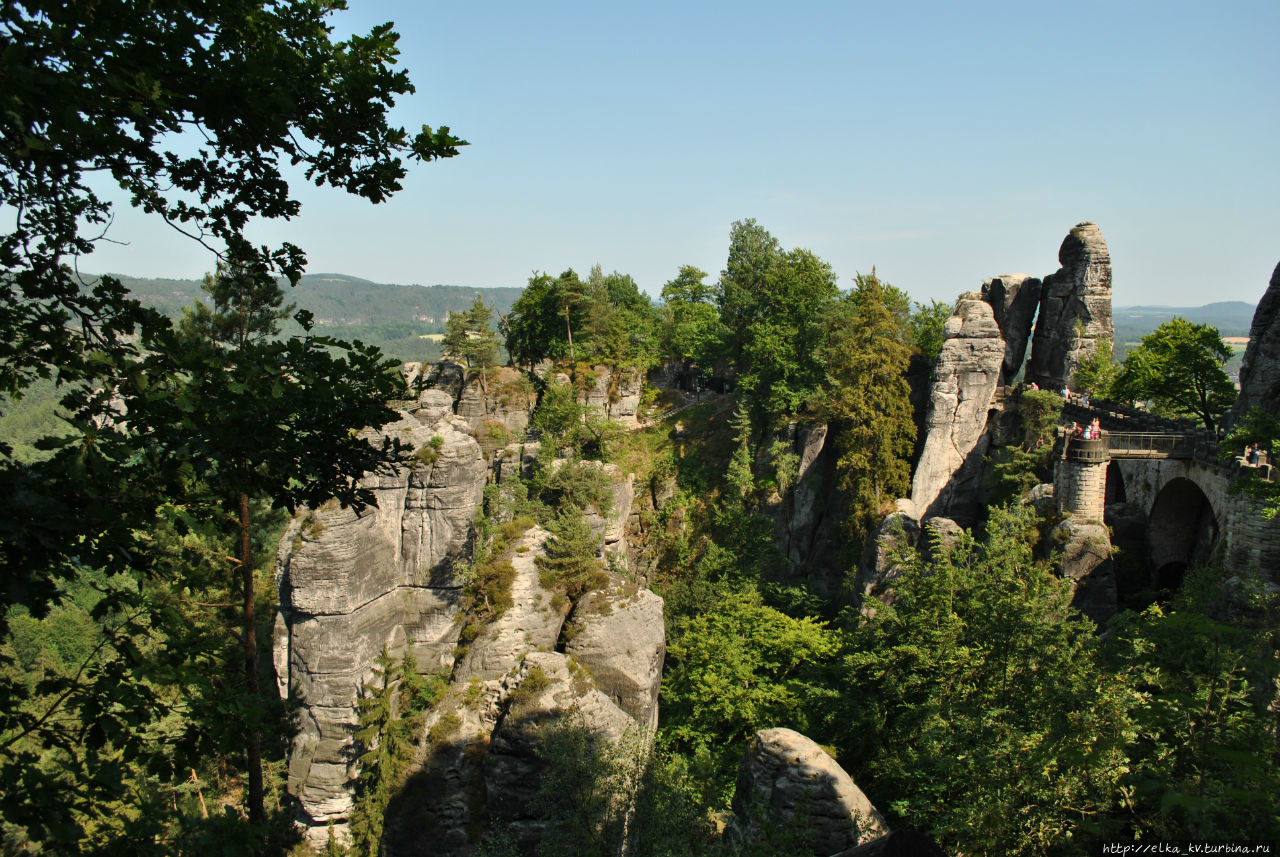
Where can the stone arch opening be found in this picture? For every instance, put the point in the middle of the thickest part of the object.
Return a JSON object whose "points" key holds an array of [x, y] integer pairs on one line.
{"points": [[1182, 530], [1115, 490]]}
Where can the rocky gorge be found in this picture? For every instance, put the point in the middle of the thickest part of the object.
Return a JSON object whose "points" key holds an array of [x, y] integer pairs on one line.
{"points": [[393, 577]]}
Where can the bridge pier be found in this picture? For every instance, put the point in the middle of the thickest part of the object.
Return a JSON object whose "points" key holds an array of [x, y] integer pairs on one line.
{"points": [[1080, 479]]}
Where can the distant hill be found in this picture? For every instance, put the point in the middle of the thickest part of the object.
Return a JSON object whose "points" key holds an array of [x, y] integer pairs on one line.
{"points": [[394, 318], [1232, 318]]}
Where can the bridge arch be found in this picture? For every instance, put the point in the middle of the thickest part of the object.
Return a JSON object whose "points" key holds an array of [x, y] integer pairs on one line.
{"points": [[1182, 529]]}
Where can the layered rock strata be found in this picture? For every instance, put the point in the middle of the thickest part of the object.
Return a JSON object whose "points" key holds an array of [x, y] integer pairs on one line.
{"points": [[1075, 308], [351, 583]]}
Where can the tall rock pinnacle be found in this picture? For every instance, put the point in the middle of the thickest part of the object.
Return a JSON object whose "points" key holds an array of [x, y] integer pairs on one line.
{"points": [[1075, 308]]}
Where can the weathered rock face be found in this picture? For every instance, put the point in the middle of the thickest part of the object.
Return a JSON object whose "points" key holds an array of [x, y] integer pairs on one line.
{"points": [[619, 639], [1075, 308], [786, 777], [616, 392], [1260, 372], [964, 384], [1014, 299], [1085, 562], [563, 698], [879, 565], [498, 407], [351, 583], [532, 623], [486, 756]]}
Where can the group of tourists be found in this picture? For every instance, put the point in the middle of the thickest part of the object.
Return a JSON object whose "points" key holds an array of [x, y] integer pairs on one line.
{"points": [[1092, 431], [1253, 455]]}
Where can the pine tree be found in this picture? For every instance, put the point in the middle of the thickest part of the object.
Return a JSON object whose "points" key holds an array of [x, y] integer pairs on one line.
{"points": [[868, 402]]}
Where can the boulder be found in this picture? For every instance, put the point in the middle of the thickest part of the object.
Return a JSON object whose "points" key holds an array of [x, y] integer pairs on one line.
{"points": [[1084, 560], [618, 638], [1260, 372], [1075, 308], [786, 779], [1014, 299], [965, 380]]}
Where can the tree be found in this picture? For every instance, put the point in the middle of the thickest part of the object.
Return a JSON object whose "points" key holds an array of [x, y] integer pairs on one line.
{"points": [[570, 563], [1178, 369], [227, 398], [1096, 374], [772, 303], [983, 708], [691, 324], [184, 110], [868, 402], [927, 327], [469, 335]]}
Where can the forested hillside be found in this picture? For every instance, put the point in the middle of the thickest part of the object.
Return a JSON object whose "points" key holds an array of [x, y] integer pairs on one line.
{"points": [[269, 592], [400, 320]]}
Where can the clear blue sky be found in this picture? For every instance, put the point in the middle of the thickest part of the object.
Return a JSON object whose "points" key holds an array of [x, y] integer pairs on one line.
{"points": [[943, 143]]}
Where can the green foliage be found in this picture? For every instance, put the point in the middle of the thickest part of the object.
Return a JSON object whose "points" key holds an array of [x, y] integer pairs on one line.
{"points": [[1014, 470], [740, 667], [772, 304], [691, 329], [1040, 412], [1206, 761], [927, 328], [172, 435], [1178, 369], [1097, 372], [570, 564], [868, 401], [982, 708], [605, 320], [469, 336], [390, 716]]}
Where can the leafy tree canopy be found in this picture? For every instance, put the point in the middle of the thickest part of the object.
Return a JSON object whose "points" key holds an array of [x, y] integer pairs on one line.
{"points": [[1178, 369]]}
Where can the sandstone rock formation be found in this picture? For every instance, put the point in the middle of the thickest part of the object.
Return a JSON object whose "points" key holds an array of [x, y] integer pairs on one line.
{"points": [[1084, 561], [965, 380], [1075, 308], [618, 637], [531, 624], [561, 697], [1014, 299], [1260, 372], [786, 778], [352, 583]]}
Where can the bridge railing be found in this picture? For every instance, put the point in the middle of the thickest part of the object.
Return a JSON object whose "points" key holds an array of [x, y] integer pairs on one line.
{"points": [[1135, 444]]}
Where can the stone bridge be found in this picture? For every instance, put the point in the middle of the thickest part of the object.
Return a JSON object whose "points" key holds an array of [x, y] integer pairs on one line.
{"points": [[1171, 474]]}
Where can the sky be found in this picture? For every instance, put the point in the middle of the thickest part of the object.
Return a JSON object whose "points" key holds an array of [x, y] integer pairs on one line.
{"points": [[942, 143]]}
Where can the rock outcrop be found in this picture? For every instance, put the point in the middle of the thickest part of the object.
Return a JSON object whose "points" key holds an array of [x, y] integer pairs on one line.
{"points": [[1014, 299], [618, 638], [1260, 372], [351, 583], [1084, 561], [787, 780], [1075, 308], [965, 381]]}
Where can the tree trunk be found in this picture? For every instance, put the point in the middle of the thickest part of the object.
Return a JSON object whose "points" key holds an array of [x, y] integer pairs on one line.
{"points": [[253, 733]]}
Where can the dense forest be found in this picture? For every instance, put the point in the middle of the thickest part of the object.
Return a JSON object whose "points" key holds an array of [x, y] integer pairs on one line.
{"points": [[141, 712]]}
